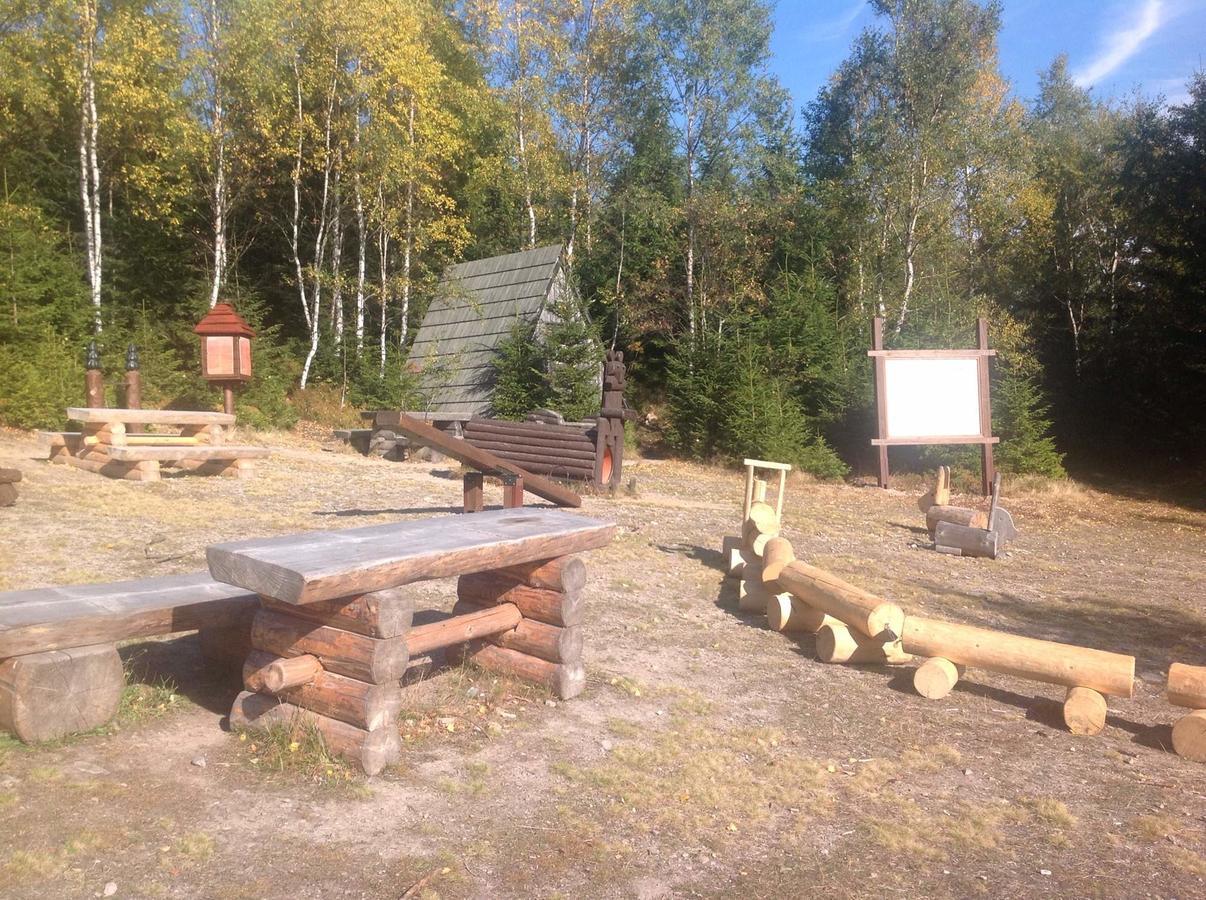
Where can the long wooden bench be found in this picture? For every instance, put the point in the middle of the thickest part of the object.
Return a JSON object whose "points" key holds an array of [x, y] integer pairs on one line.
{"points": [[59, 668], [333, 635]]}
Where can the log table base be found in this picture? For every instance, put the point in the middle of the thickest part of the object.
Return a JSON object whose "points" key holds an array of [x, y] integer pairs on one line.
{"points": [[336, 665]]}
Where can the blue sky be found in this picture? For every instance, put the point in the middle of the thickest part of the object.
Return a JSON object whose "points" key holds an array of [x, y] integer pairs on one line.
{"points": [[1114, 46]]}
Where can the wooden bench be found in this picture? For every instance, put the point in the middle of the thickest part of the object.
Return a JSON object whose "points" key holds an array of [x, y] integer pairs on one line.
{"points": [[59, 668], [108, 445], [333, 635]]}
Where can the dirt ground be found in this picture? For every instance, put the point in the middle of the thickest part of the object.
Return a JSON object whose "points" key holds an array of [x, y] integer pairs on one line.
{"points": [[709, 756]]}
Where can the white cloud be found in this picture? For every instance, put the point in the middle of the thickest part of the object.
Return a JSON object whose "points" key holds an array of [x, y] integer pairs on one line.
{"points": [[832, 29], [1123, 43]]}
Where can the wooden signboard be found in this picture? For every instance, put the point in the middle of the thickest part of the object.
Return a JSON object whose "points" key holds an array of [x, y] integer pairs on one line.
{"points": [[933, 397]]}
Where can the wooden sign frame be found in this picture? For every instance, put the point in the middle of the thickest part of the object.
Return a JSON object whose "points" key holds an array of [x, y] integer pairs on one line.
{"points": [[981, 354]]}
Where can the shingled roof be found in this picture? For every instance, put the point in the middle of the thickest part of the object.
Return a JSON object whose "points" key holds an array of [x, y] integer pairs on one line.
{"points": [[472, 313]]}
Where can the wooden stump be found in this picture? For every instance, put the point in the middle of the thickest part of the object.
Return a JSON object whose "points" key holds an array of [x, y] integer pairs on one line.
{"points": [[1189, 736], [48, 695], [1084, 711], [777, 554], [936, 677]]}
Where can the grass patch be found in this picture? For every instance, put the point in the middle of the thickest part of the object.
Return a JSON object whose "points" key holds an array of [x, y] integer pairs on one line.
{"points": [[700, 780], [1155, 828], [142, 702], [904, 827], [1187, 861], [472, 782], [1051, 812], [296, 750]]}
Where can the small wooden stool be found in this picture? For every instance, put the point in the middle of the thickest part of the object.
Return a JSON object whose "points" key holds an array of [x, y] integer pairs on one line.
{"points": [[755, 488]]}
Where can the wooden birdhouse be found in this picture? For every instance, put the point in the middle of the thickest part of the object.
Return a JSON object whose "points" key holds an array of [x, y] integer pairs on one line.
{"points": [[225, 345], [225, 350]]}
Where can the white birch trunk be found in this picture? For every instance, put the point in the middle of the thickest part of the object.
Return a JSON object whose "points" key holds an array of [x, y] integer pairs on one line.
{"points": [[89, 166], [320, 240], [408, 245], [218, 133], [361, 247]]}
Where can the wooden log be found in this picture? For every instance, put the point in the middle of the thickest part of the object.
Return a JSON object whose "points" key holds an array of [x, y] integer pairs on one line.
{"points": [[762, 518], [566, 681], [372, 750], [358, 703], [44, 696], [380, 614], [322, 565], [109, 434], [1084, 711], [752, 594], [836, 643], [480, 623], [551, 642], [282, 673], [759, 490], [956, 515], [376, 660], [566, 574], [738, 558], [131, 471], [557, 471], [791, 615], [1189, 736], [163, 440], [777, 554], [104, 415], [1187, 685], [536, 439], [1047, 661], [484, 461], [968, 541], [754, 541], [503, 426], [541, 604], [583, 451], [871, 616], [936, 677]]}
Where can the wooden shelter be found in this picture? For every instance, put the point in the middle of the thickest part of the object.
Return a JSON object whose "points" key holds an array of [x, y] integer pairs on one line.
{"points": [[474, 310]]}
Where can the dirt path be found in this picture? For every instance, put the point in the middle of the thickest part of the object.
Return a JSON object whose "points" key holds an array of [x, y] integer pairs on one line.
{"points": [[708, 756]]}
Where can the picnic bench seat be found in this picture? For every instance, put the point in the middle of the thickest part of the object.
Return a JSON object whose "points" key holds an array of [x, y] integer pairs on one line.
{"points": [[59, 668], [110, 445], [333, 635]]}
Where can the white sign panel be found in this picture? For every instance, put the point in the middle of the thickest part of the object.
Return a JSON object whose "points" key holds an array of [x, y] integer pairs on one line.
{"points": [[932, 397]]}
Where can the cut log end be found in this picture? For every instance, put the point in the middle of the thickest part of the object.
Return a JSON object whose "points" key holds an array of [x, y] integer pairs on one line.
{"points": [[936, 677], [838, 644], [1189, 736], [1187, 686], [1084, 711], [48, 695], [791, 615]]}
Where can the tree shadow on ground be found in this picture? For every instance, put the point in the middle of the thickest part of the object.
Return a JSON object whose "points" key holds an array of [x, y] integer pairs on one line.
{"points": [[398, 511], [713, 559], [1087, 620], [915, 529]]}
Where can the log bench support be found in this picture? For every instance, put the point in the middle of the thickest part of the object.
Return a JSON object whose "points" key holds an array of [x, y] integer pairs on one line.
{"points": [[336, 665], [48, 695]]}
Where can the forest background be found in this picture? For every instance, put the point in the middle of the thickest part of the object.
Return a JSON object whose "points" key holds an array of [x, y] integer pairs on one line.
{"points": [[319, 162]]}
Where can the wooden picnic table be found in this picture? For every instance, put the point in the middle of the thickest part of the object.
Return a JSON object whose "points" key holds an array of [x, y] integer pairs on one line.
{"points": [[113, 443]]}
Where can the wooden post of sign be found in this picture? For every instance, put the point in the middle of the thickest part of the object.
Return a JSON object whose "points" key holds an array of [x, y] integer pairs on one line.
{"points": [[881, 405], [473, 492], [987, 469]]}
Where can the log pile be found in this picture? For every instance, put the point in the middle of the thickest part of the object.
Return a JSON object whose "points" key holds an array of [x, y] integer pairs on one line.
{"points": [[336, 664], [854, 626], [1187, 688]]}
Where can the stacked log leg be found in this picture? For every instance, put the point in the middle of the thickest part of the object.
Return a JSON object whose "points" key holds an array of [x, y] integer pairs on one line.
{"points": [[334, 666], [543, 601], [1187, 688]]}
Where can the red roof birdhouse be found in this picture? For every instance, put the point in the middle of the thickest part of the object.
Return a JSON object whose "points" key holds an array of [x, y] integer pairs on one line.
{"points": [[225, 345]]}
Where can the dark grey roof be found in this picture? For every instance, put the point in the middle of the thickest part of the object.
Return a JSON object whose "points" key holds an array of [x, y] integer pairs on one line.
{"points": [[473, 311]]}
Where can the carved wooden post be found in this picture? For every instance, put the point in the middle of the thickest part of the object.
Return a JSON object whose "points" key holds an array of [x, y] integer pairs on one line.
{"points": [[94, 378]]}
